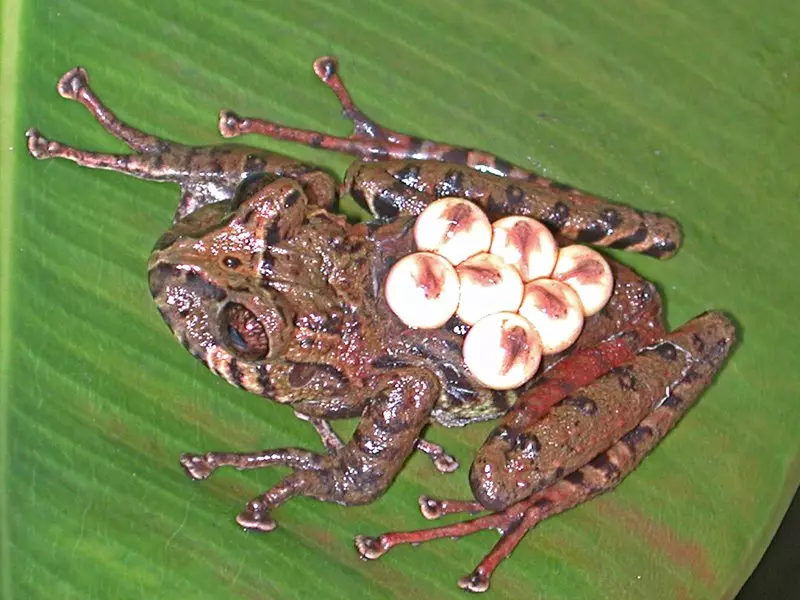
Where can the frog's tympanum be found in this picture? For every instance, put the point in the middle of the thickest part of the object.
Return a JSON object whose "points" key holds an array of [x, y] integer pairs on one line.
{"points": [[272, 291]]}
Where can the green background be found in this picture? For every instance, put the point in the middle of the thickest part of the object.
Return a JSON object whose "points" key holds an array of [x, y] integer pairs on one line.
{"points": [[683, 107]]}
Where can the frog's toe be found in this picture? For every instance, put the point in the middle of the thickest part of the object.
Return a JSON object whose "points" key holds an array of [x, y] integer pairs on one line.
{"points": [[369, 548], [474, 582], [256, 517], [197, 466], [38, 145], [446, 463], [72, 82], [229, 123], [430, 508]]}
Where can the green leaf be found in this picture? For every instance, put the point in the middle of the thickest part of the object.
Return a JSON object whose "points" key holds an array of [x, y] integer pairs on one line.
{"points": [[678, 106]]}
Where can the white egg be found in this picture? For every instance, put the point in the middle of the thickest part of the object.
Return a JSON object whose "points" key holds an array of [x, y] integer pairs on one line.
{"points": [[488, 285], [555, 310], [586, 272], [422, 290], [502, 350], [527, 244], [453, 227]]}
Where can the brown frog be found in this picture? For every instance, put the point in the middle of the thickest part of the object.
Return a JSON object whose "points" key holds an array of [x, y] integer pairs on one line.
{"points": [[281, 297]]}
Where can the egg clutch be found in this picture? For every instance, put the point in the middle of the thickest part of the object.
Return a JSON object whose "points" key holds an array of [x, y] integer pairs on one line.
{"points": [[522, 296]]}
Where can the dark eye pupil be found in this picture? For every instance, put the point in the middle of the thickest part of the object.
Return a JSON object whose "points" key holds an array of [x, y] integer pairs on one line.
{"points": [[232, 262], [237, 339], [245, 334]]}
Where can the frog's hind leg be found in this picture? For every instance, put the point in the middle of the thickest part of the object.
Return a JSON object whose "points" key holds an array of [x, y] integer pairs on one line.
{"points": [[708, 338], [205, 174], [404, 184], [369, 141]]}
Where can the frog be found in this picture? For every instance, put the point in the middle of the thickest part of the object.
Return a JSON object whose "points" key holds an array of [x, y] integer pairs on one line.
{"points": [[268, 286]]}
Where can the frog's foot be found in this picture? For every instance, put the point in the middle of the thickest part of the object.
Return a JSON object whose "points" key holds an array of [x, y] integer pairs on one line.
{"points": [[137, 165], [444, 462], [712, 337], [74, 85]]}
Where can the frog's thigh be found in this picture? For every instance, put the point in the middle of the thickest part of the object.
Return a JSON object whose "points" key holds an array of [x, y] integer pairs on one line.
{"points": [[382, 193]]}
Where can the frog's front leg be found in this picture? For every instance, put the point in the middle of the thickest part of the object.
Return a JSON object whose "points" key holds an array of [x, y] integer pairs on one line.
{"points": [[205, 174], [356, 473], [706, 340], [408, 178]]}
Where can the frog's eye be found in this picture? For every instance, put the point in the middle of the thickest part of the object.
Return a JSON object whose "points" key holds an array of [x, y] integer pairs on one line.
{"points": [[244, 333], [231, 262]]}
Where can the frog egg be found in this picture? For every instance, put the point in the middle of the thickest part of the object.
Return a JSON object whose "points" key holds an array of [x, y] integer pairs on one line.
{"points": [[586, 272], [453, 227], [555, 310], [422, 290], [502, 350], [488, 285], [527, 244]]}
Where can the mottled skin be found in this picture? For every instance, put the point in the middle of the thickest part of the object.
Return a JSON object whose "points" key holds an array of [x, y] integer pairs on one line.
{"points": [[279, 296]]}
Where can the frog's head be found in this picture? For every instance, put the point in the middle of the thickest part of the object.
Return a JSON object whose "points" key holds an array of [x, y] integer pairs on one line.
{"points": [[207, 277]]}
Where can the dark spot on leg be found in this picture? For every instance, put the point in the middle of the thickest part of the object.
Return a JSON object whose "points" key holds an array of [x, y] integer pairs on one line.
{"points": [[384, 205], [584, 404], [637, 237], [625, 377], [543, 504], [555, 185], [660, 248], [456, 155], [450, 185], [594, 232], [636, 437], [409, 175], [527, 445], [602, 463], [575, 478], [558, 216], [611, 218]]}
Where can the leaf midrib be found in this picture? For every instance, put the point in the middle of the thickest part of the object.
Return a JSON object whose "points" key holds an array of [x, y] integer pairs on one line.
{"points": [[9, 54]]}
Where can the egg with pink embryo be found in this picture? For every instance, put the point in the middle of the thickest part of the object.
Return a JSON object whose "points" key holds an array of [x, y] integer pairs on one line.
{"points": [[454, 228], [525, 243]]}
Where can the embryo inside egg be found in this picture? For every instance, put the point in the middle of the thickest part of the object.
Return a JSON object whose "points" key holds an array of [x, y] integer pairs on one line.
{"points": [[519, 295]]}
